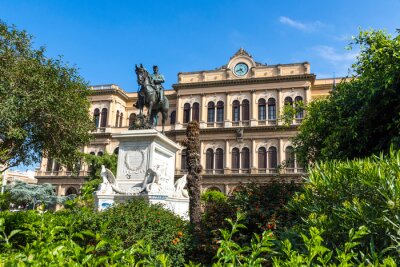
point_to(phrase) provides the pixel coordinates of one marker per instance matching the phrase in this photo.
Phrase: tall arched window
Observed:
(184, 156)
(219, 160)
(245, 110)
(262, 160)
(116, 151)
(271, 109)
(186, 113)
(210, 112)
(132, 118)
(298, 101)
(235, 160)
(103, 117)
(290, 159)
(49, 166)
(245, 159)
(117, 119)
(96, 117)
(173, 117)
(121, 119)
(209, 160)
(288, 101)
(100, 153)
(236, 111)
(262, 113)
(272, 159)
(195, 112)
(71, 191)
(56, 166)
(220, 111)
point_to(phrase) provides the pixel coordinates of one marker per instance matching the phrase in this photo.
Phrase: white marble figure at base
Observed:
(180, 191)
(155, 182)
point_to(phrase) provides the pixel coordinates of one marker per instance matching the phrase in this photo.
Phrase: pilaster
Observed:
(228, 110)
(253, 109)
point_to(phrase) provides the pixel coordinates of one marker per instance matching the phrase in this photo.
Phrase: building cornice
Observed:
(118, 92)
(246, 81)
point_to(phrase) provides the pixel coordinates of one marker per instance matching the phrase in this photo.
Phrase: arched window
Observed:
(262, 114)
(96, 117)
(71, 191)
(117, 118)
(100, 153)
(184, 156)
(236, 111)
(272, 159)
(173, 117)
(56, 166)
(245, 159)
(288, 101)
(220, 111)
(92, 153)
(235, 160)
(271, 109)
(186, 113)
(299, 110)
(116, 151)
(49, 166)
(262, 159)
(245, 110)
(290, 159)
(211, 112)
(121, 119)
(209, 160)
(219, 160)
(195, 112)
(214, 188)
(103, 117)
(132, 118)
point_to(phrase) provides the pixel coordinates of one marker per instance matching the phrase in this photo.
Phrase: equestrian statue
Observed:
(151, 95)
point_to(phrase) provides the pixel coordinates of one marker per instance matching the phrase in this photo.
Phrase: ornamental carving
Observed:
(134, 160)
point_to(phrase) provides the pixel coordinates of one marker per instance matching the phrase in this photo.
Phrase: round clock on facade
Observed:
(241, 69)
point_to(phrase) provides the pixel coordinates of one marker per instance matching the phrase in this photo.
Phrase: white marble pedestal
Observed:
(146, 167)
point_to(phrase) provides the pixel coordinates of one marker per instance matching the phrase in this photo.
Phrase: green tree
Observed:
(43, 103)
(361, 116)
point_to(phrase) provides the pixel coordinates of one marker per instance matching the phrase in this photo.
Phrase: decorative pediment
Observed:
(241, 52)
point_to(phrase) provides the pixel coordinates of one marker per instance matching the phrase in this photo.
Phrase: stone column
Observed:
(278, 107)
(203, 111)
(253, 109)
(179, 113)
(228, 110)
(281, 152)
(227, 158)
(253, 156)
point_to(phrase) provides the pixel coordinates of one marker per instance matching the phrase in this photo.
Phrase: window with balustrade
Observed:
(210, 113)
(271, 111)
(186, 113)
(235, 160)
(196, 112)
(104, 113)
(173, 117)
(262, 114)
(236, 111)
(209, 160)
(262, 160)
(220, 112)
(96, 117)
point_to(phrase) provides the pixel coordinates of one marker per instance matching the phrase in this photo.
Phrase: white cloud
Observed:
(329, 53)
(306, 27)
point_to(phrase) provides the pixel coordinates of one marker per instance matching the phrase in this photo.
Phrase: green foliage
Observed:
(43, 103)
(5, 200)
(25, 194)
(212, 196)
(340, 196)
(362, 116)
(108, 160)
(130, 233)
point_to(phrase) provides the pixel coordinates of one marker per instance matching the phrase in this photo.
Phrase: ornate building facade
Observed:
(239, 108)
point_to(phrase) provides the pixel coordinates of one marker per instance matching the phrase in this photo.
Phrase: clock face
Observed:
(241, 69)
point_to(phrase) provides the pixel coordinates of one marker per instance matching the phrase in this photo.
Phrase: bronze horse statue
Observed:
(148, 97)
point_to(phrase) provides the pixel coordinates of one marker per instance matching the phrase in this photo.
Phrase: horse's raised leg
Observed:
(164, 118)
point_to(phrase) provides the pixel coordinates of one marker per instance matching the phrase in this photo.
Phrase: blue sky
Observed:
(105, 39)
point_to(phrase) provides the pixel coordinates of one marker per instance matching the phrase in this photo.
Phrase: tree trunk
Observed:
(192, 144)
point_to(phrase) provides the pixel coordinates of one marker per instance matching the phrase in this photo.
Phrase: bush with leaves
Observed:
(339, 196)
